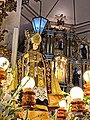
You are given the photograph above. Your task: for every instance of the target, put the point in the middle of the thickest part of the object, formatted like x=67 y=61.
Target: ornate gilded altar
x=68 y=45
x=51 y=62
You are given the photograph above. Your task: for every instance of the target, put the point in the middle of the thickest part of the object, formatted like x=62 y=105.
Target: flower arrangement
x=8 y=105
x=87 y=105
x=70 y=116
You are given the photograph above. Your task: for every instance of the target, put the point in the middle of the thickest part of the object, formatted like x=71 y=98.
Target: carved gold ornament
x=36 y=39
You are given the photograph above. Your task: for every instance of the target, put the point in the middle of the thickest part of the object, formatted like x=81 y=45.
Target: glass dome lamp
x=62 y=104
x=28 y=82
x=39 y=24
x=4 y=63
x=76 y=92
x=28 y=97
x=86 y=76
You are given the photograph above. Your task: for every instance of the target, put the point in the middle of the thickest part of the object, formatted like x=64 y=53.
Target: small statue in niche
x=61 y=44
x=76 y=78
x=74 y=49
x=56 y=45
x=83 y=51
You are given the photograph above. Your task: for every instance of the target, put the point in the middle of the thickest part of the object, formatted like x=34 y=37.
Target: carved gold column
x=83 y=70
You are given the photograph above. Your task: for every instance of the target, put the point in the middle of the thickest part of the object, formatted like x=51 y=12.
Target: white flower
x=3 y=82
x=2 y=107
x=69 y=99
x=88 y=101
x=87 y=107
x=8 y=91
x=7 y=97
x=6 y=112
x=76 y=118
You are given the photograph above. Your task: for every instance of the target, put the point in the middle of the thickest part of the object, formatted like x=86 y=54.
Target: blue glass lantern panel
x=43 y=24
x=36 y=24
x=39 y=24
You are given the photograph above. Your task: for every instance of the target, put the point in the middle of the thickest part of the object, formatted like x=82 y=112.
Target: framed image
x=84 y=51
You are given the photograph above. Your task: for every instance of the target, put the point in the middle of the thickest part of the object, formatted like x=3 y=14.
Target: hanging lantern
x=4 y=63
x=39 y=24
x=28 y=82
x=86 y=76
x=76 y=92
x=62 y=104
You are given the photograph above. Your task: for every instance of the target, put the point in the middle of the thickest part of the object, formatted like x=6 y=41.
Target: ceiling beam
x=74 y=11
x=26 y=18
x=82 y=23
x=85 y=25
x=29 y=11
x=40 y=7
x=52 y=8
x=86 y=31
x=32 y=9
